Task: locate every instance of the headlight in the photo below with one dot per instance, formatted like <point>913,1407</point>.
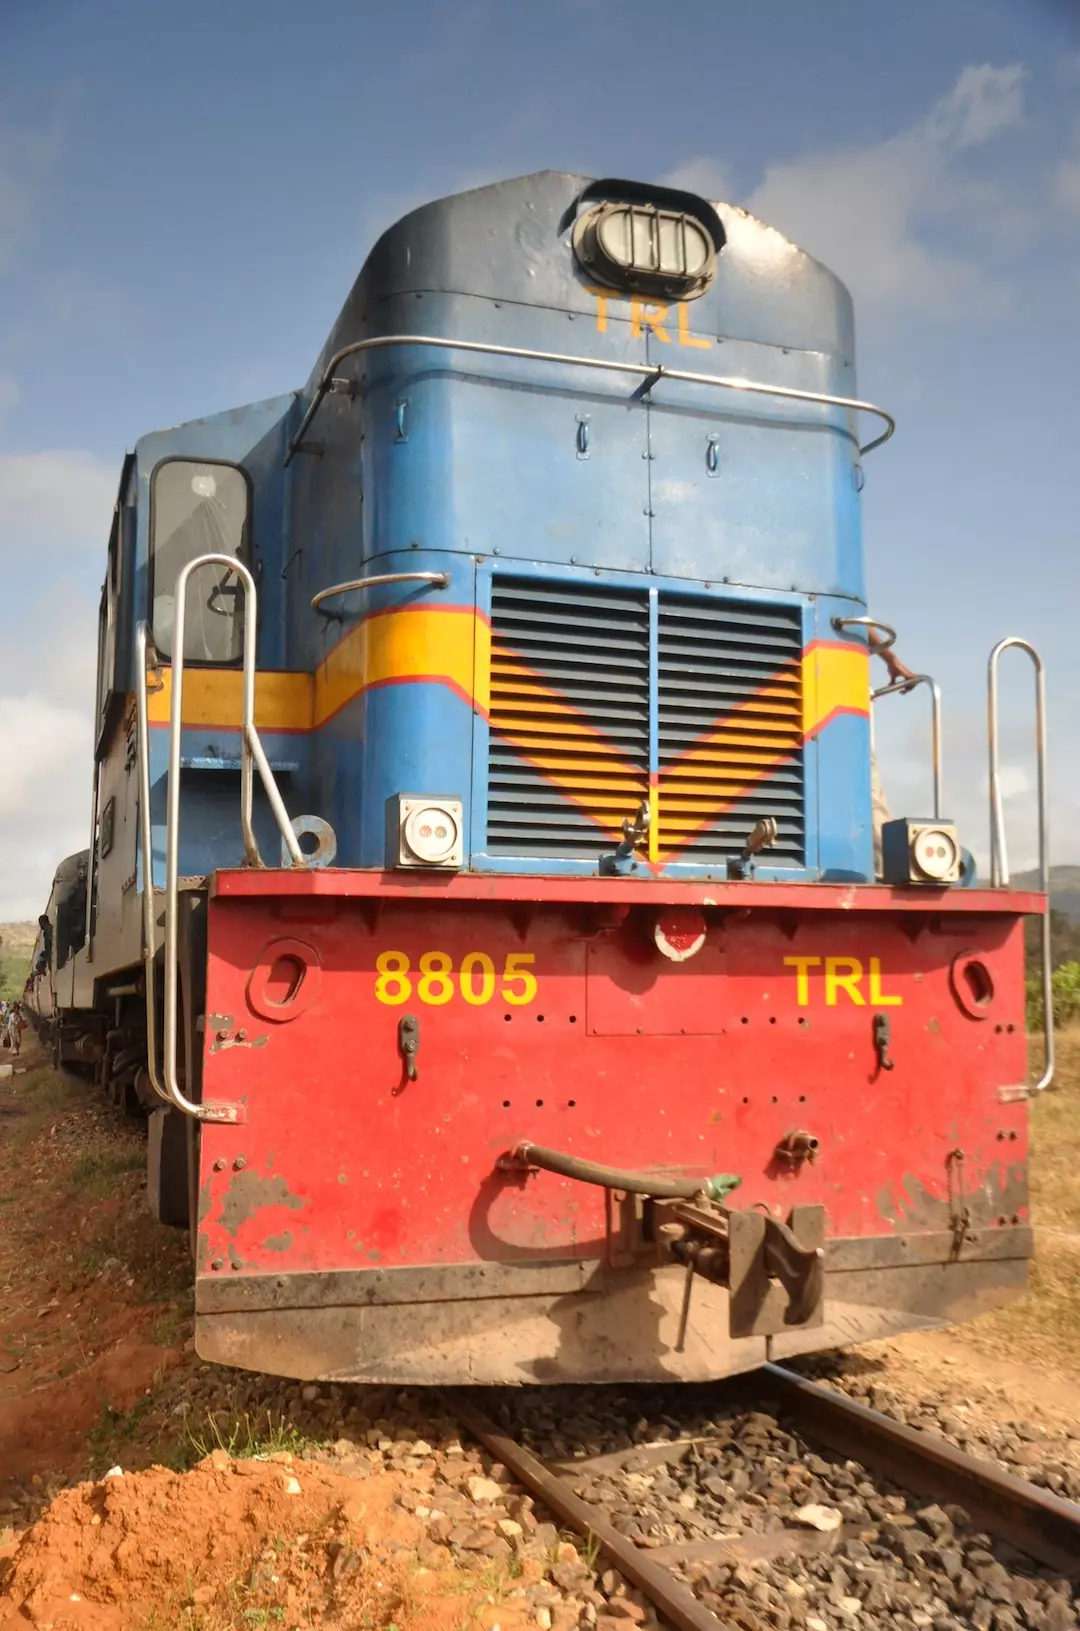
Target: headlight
<point>934,851</point>
<point>424,830</point>
<point>432,834</point>
<point>921,852</point>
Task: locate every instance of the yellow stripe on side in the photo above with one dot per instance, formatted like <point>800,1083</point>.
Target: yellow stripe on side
<point>835,679</point>
<point>213,699</point>
<point>451,647</point>
<point>411,644</point>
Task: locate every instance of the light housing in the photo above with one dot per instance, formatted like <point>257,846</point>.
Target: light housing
<point>645,239</point>
<point>425,830</point>
<point>921,852</point>
<point>645,250</point>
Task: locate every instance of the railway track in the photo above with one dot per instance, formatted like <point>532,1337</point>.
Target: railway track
<point>963,1507</point>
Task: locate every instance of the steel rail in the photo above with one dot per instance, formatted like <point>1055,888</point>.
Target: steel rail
<point>654,372</point>
<point>1033,1520</point>
<point>675,1601</point>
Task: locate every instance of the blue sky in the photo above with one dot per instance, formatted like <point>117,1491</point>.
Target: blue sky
<point>186,193</point>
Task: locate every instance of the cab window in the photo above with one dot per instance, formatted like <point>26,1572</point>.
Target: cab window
<point>198,508</point>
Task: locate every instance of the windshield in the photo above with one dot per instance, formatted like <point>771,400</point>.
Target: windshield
<point>198,509</point>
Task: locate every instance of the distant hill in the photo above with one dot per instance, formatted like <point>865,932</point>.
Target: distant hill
<point>16,944</point>
<point>1064,889</point>
<point>18,938</point>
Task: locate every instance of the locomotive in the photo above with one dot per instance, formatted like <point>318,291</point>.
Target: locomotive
<point>481,899</point>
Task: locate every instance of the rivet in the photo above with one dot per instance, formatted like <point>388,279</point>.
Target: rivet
<point>222,1036</point>
<point>236,1263</point>
<point>240,1163</point>
<point>219,1164</point>
<point>217,1264</point>
<point>241,1036</point>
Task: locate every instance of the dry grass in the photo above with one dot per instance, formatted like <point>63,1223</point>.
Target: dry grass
<point>1045,1323</point>
<point>1055,1140</point>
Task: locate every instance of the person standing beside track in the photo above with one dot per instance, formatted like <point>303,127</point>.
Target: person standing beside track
<point>14,1025</point>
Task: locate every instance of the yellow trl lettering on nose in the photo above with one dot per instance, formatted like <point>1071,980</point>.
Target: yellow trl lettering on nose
<point>836,981</point>
<point>802,967</point>
<point>685,336</point>
<point>841,974</point>
<point>601,307</point>
<point>647,312</point>
<point>878,998</point>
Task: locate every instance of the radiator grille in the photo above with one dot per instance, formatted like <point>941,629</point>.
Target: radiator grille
<point>569,753</point>
<point>569,711</point>
<point>730,718</point>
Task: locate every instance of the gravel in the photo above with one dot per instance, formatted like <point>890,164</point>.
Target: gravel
<point>887,1559</point>
<point>869,1555</point>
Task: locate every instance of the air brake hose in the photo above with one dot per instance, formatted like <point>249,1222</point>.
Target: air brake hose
<point>632,1183</point>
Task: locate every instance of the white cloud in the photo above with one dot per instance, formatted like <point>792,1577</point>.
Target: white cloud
<point>983,101</point>
<point>707,177</point>
<point>869,212</point>
<point>53,498</point>
<point>55,509</point>
<point>39,739</point>
<point>46,712</point>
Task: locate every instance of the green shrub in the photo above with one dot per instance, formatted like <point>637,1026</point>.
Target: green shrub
<point>1065,983</point>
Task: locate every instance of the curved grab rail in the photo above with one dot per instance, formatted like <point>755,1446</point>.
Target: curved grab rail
<point>654,372</point>
<point>146,838</point>
<point>935,724</point>
<point>441,579</point>
<point>999,864</point>
<point>842,623</point>
<point>252,757</point>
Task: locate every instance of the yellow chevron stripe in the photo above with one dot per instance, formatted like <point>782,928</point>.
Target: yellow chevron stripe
<point>450,646</point>
<point>453,646</point>
<point>836,679</point>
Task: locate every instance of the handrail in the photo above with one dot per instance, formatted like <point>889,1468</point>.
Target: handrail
<point>440,578</point>
<point>655,372</point>
<point>146,837</point>
<point>935,723</point>
<point>91,863</point>
<point>842,623</point>
<point>252,755</point>
<point>999,864</point>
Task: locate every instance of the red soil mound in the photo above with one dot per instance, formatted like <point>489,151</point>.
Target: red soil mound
<point>232,1544</point>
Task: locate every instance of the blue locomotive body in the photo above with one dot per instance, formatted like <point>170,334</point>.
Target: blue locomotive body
<point>664,558</point>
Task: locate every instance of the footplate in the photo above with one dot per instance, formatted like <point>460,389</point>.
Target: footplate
<point>776,1271</point>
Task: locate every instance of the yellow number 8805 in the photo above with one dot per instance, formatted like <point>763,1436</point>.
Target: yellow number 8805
<point>436,986</point>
